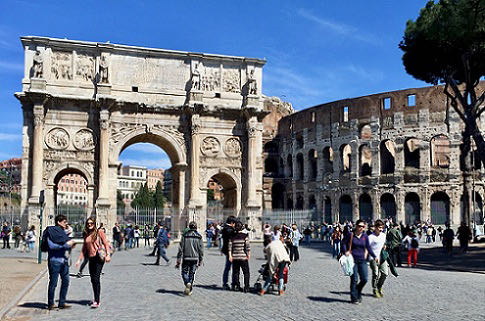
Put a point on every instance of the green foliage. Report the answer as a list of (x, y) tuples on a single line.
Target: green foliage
[(446, 40), (158, 198), (210, 195), (143, 198), (120, 205)]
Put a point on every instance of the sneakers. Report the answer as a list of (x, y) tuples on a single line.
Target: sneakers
[(246, 290), (51, 307), (95, 305), (377, 293), (226, 287), (64, 306), (380, 292), (281, 292), (355, 302), (188, 289), (262, 292)]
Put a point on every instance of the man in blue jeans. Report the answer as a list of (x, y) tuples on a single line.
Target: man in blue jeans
[(162, 242), (58, 243), (227, 233)]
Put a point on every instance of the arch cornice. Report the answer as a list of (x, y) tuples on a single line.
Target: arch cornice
[(214, 171), (70, 165)]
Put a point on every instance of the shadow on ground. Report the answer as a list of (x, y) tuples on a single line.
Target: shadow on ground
[(34, 305), (164, 291), (327, 300)]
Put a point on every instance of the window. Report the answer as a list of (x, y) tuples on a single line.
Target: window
[(412, 100), (346, 114), (386, 103)]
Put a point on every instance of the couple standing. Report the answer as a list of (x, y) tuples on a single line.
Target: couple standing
[(56, 243)]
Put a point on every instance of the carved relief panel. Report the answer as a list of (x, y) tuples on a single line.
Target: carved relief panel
[(232, 80), (61, 65), (57, 138), (84, 139), (211, 79), (232, 147), (85, 66), (210, 146)]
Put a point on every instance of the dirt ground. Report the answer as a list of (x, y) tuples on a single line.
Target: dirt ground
[(16, 274)]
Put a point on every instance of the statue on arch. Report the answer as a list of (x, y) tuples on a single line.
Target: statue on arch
[(252, 84), (103, 70), (38, 65), (196, 78)]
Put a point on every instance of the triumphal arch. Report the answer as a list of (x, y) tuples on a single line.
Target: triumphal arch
[(85, 102)]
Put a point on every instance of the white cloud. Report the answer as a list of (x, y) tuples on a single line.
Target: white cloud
[(9, 137), (339, 28), (148, 162)]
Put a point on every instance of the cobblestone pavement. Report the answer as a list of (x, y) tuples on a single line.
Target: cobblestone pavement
[(132, 289)]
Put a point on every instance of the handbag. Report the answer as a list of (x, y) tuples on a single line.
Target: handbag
[(347, 262)]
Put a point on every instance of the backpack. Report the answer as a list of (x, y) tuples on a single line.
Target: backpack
[(44, 246), (414, 243)]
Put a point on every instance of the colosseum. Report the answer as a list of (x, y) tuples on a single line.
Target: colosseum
[(390, 155)]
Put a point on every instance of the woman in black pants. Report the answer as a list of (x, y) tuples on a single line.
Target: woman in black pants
[(95, 243)]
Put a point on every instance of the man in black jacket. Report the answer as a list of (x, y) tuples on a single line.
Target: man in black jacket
[(227, 233), (191, 252)]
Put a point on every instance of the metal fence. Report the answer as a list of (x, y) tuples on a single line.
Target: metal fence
[(302, 218), (13, 216)]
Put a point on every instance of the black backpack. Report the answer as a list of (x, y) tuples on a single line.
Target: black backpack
[(44, 246), (414, 244)]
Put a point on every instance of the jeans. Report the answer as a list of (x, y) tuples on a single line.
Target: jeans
[(188, 271), (227, 268), (31, 246), (281, 281), (83, 265), (209, 242), (336, 249), (395, 254), (95, 268), (380, 271), (6, 242), (240, 264), (360, 271), (147, 240), (57, 269), (294, 253), (162, 251), (428, 238), (307, 239), (136, 242)]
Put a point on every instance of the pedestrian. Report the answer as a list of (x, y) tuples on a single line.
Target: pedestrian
[(379, 268), (277, 259), (295, 243), (162, 242), (276, 235), (308, 235), (358, 245), (266, 234), (6, 235), (57, 243), (146, 235), (448, 237), (190, 253), (209, 233), (227, 233), (394, 241), (128, 237), (17, 235), (336, 240), (117, 239), (464, 235), (239, 253), (97, 248), (30, 238), (136, 236), (429, 234), (412, 242)]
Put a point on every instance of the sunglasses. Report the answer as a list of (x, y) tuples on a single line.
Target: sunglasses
[(361, 226), (90, 223)]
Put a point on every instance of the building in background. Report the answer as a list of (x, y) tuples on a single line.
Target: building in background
[(11, 176), (130, 178), (72, 190), (154, 176), (217, 190)]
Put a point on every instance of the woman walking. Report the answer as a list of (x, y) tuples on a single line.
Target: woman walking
[(413, 248), (96, 247), (358, 245), (336, 238), (146, 235), (30, 238)]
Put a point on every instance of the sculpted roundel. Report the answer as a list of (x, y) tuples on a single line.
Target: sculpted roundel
[(210, 146), (232, 147), (57, 138), (84, 139)]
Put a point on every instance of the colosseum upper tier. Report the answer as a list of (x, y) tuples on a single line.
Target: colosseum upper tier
[(391, 155)]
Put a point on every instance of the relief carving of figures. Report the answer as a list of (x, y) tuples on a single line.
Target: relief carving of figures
[(210, 146), (85, 67), (196, 124), (195, 80), (38, 65), (49, 166), (103, 69), (61, 65), (173, 132), (119, 131), (84, 139), (57, 138), (89, 166), (252, 84), (232, 81), (211, 82), (232, 147)]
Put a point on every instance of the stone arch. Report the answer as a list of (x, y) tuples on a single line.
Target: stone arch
[(277, 196), (365, 160), (312, 202), (270, 147), (412, 208), (478, 209), (270, 166), (345, 158), (300, 166), (69, 166), (327, 207), (289, 165), (366, 132), (289, 203), (388, 156), (299, 202), (411, 153), (231, 185), (440, 208), (388, 206), (174, 148), (345, 207), (440, 151), (327, 158), (365, 207), (312, 164)]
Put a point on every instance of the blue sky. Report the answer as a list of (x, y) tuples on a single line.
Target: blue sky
[(316, 51)]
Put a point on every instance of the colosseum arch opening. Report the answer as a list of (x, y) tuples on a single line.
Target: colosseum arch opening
[(388, 157), (440, 208), (440, 151), (345, 158), (365, 207), (345, 208), (412, 208), (327, 159), (300, 166), (388, 207), (312, 164), (365, 160), (327, 207), (289, 166), (411, 153)]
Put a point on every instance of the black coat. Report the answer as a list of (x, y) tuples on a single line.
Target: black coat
[(227, 233)]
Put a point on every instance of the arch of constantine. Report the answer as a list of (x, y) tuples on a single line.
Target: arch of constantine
[(85, 102)]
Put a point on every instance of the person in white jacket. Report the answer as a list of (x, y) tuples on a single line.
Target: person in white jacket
[(277, 258)]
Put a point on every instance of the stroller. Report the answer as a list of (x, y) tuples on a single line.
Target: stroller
[(263, 273)]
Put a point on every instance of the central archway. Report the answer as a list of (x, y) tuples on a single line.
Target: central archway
[(230, 188)]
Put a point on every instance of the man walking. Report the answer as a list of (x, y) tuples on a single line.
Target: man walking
[(190, 253), (448, 237), (117, 236), (379, 268), (394, 241), (6, 235), (227, 233), (57, 244), (163, 242), (295, 243)]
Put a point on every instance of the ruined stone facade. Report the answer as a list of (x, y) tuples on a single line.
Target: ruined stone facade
[(85, 102), (395, 154)]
